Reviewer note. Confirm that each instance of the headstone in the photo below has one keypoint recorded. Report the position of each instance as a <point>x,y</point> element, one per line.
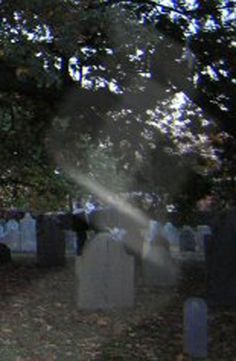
<point>202,235</point>
<point>158,267</point>
<point>28,234</point>
<point>154,230</point>
<point>187,241</point>
<point>105,275</point>
<point>221,261</point>
<point>195,328</point>
<point>71,242</point>
<point>2,222</point>
<point>5,254</point>
<point>2,232</point>
<point>171,234</point>
<point>50,242</point>
<point>12,238</point>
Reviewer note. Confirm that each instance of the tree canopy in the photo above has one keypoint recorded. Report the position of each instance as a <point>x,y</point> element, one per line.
<point>149,84</point>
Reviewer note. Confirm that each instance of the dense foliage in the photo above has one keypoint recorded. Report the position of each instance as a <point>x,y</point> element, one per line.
<point>150,84</point>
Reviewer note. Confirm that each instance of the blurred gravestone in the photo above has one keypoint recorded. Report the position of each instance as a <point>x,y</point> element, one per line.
<point>50,242</point>
<point>5,254</point>
<point>71,242</point>
<point>2,232</point>
<point>28,234</point>
<point>195,328</point>
<point>12,238</point>
<point>171,234</point>
<point>105,275</point>
<point>221,260</point>
<point>158,267</point>
<point>202,235</point>
<point>154,230</point>
<point>187,240</point>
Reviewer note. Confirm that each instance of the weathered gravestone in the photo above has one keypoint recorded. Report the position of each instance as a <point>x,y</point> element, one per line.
<point>187,241</point>
<point>12,238</point>
<point>28,234</point>
<point>5,254</point>
<point>2,222</point>
<point>158,267</point>
<point>203,233</point>
<point>171,234</point>
<point>50,242</point>
<point>71,242</point>
<point>154,230</point>
<point>195,328</point>
<point>2,232</point>
<point>105,275</point>
<point>221,260</point>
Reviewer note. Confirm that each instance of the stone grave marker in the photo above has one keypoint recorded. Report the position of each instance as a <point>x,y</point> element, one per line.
<point>187,241</point>
<point>202,235</point>
<point>158,267</point>
<point>195,328</point>
<point>71,242</point>
<point>221,261</point>
<point>12,238</point>
<point>28,234</point>
<point>105,275</point>
<point>154,230</point>
<point>171,234</point>
<point>50,242</point>
<point>2,232</point>
<point>2,222</point>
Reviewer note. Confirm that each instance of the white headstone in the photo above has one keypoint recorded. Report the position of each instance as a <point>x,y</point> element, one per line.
<point>105,275</point>
<point>28,234</point>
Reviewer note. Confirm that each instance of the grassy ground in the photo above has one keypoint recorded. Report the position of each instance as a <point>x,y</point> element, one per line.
<point>40,320</point>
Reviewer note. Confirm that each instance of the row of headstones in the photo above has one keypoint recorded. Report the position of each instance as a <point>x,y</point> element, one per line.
<point>22,236</point>
<point>185,239</point>
<point>19,236</point>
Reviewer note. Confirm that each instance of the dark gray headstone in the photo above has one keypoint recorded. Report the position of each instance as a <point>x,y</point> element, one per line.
<point>105,275</point>
<point>195,328</point>
<point>221,260</point>
<point>5,254</point>
<point>50,242</point>
<point>202,235</point>
<point>187,240</point>
<point>71,242</point>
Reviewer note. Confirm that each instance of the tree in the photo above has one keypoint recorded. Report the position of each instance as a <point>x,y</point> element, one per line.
<point>109,71</point>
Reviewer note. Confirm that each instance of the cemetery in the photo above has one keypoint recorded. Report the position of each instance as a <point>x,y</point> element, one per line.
<point>117,180</point>
<point>113,299</point>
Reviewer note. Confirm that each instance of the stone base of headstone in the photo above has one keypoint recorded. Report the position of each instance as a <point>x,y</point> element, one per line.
<point>50,243</point>
<point>105,275</point>
<point>158,267</point>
